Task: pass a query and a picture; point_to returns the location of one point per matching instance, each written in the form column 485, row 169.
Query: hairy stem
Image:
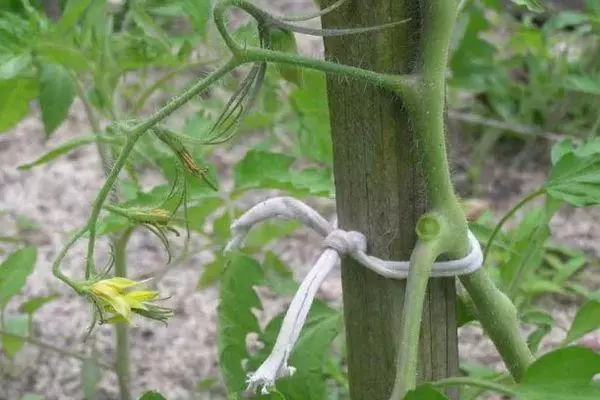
column 480, row 383
column 498, row 316
column 401, row 83
column 62, row 352
column 56, row 265
column 439, row 19
column 133, row 135
column 421, row 264
column 143, row 98
column 122, row 364
column 250, row 54
column 508, row 216
column 95, row 125
column 426, row 98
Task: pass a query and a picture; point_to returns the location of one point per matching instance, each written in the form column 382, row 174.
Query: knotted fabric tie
column 337, row 243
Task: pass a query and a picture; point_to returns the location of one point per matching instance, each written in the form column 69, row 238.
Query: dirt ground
column 175, row 358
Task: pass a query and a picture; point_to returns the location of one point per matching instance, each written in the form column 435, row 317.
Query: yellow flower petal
column 142, row 295
column 102, row 290
column 121, row 306
column 137, row 298
column 120, row 283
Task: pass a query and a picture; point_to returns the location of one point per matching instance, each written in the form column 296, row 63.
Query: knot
column 345, row 242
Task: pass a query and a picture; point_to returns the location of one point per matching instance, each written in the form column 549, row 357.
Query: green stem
column 498, row 316
column 401, row 84
column 95, row 124
column 425, row 99
column 62, row 352
column 56, row 265
column 439, row 19
column 136, row 109
column 421, row 263
column 254, row 54
column 122, row 365
column 133, row 135
column 507, row 216
column 480, row 383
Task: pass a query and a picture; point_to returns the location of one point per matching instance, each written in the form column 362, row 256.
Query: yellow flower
column 114, row 297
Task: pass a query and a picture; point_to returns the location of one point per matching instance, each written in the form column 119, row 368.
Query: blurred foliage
column 516, row 74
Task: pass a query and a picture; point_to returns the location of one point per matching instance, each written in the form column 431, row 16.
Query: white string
column 337, row 243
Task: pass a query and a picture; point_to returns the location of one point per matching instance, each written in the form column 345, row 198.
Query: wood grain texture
column 380, row 191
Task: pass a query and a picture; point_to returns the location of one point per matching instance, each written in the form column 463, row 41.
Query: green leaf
column 312, row 130
column 199, row 13
column 575, row 178
column 586, row 320
column 527, row 250
column 197, row 214
column 236, row 319
column 206, row 385
column 148, row 26
column 56, row 53
column 152, row 395
column 211, row 273
column 18, row 325
column 544, row 323
column 13, row 66
column 323, row 325
column 73, row 11
column 309, row 356
column 221, row 228
column 57, row 92
column 473, row 61
column 14, row 272
column 583, row 84
column 425, row 392
column 283, row 40
column 111, row 223
column 464, row 314
column 35, row 303
column 278, row 275
column 14, row 100
column 560, row 149
column 90, row 376
column 539, row 286
column 261, row 169
column 565, row 19
column 532, row 5
column 564, row 374
column 31, row 396
column 268, row 231
column 66, row 147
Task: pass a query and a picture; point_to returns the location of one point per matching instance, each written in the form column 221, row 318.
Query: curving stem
column 421, row 263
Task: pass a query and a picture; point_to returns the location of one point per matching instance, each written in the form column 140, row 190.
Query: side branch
column 498, row 316
column 398, row 84
column 421, row 263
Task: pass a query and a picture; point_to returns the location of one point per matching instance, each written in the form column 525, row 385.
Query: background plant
column 311, row 145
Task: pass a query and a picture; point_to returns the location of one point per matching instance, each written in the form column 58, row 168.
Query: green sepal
column 280, row 39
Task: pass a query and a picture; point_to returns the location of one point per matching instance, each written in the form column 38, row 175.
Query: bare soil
column 175, row 358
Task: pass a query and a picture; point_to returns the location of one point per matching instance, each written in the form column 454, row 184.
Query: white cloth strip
column 290, row 208
column 337, row 243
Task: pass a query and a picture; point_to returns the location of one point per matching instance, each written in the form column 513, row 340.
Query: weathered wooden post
column 381, row 192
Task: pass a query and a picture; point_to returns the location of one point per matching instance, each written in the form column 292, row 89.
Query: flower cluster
column 116, row 299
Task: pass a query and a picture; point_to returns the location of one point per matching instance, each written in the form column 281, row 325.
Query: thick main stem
column 122, row 364
column 382, row 178
column 498, row 316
